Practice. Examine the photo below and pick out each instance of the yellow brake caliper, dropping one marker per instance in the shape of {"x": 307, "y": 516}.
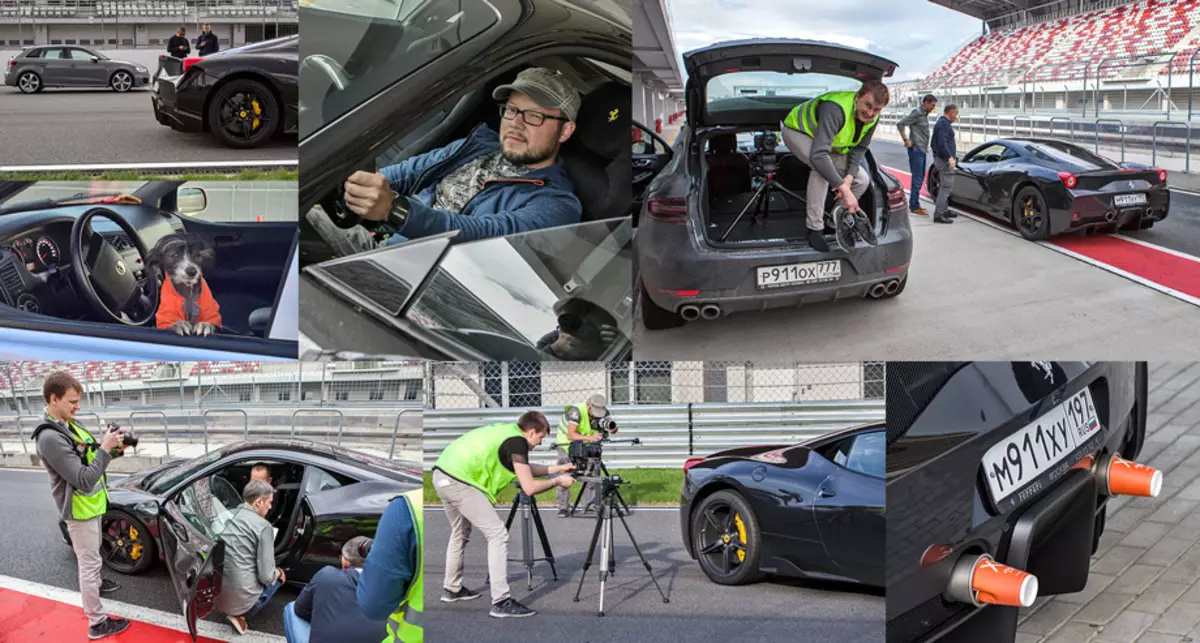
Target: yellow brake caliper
{"x": 136, "y": 552}
{"x": 741, "y": 527}
{"x": 257, "y": 112}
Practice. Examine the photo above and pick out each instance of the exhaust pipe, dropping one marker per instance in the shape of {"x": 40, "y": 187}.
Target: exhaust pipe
{"x": 1120, "y": 477}
{"x": 893, "y": 286}
{"x": 689, "y": 312}
{"x": 878, "y": 290}
{"x": 710, "y": 311}
{"x": 1149, "y": 212}
{"x": 979, "y": 580}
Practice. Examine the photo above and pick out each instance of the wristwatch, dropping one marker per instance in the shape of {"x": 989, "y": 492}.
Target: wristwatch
{"x": 399, "y": 212}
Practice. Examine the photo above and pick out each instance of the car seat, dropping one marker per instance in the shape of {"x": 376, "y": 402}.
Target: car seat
{"x": 792, "y": 173}
{"x": 598, "y": 157}
{"x": 728, "y": 169}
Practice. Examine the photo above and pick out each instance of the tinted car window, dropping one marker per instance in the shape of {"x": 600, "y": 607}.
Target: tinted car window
{"x": 375, "y": 43}
{"x": 989, "y": 150}
{"x": 53, "y": 54}
{"x": 34, "y": 53}
{"x": 79, "y": 54}
{"x": 171, "y": 477}
{"x": 208, "y": 505}
{"x": 321, "y": 480}
{"x": 867, "y": 454}
{"x": 1056, "y": 152}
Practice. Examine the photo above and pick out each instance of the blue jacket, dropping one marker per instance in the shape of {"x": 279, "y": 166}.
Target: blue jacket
{"x": 539, "y": 199}
{"x": 328, "y": 602}
{"x": 943, "y": 140}
{"x": 390, "y": 564}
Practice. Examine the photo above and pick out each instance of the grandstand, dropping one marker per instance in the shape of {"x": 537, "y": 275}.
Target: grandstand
{"x": 1072, "y": 55}
{"x": 142, "y": 23}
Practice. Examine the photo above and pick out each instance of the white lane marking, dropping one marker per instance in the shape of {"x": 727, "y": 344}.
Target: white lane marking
{"x": 219, "y": 631}
{"x": 635, "y": 509}
{"x": 1182, "y": 255}
{"x": 219, "y": 165}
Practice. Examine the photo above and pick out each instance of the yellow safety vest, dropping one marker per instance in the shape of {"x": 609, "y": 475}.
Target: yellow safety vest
{"x": 405, "y": 624}
{"x": 804, "y": 118}
{"x": 562, "y": 438}
{"x": 87, "y": 504}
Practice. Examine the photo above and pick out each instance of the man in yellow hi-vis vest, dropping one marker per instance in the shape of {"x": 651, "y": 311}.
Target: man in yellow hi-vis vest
{"x": 392, "y": 583}
{"x": 830, "y": 134}
{"x": 577, "y": 423}
{"x": 76, "y": 463}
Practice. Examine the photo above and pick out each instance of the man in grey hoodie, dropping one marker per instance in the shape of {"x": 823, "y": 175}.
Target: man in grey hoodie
{"x": 76, "y": 463}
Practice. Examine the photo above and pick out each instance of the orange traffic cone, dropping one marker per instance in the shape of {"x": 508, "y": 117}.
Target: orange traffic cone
{"x": 999, "y": 584}
{"x": 1123, "y": 477}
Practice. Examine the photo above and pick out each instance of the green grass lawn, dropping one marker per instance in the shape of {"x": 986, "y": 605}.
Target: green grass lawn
{"x": 646, "y": 487}
{"x": 249, "y": 174}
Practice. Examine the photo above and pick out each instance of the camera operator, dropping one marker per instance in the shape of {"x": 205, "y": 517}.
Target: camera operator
{"x": 76, "y": 463}
{"x": 467, "y": 476}
{"x": 584, "y": 421}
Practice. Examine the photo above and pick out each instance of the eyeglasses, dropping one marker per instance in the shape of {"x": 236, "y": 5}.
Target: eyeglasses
{"x": 535, "y": 119}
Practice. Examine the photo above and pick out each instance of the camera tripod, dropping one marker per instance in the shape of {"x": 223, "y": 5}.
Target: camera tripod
{"x": 761, "y": 199}
{"x": 591, "y": 471}
{"x": 530, "y": 520}
{"x": 605, "y": 511}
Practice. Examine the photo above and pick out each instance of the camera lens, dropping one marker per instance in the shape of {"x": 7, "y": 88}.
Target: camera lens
{"x": 130, "y": 440}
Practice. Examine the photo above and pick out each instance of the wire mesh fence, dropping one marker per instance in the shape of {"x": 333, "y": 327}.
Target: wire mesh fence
{"x": 465, "y": 385}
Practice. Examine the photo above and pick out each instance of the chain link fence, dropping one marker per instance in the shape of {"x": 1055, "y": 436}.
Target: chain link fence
{"x": 467, "y": 385}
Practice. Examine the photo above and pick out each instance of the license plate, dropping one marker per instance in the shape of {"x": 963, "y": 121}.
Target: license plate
{"x": 1129, "y": 199}
{"x": 798, "y": 273}
{"x": 1023, "y": 456}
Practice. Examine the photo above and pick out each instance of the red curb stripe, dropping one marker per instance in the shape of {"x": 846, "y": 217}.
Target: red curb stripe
{"x": 25, "y": 618}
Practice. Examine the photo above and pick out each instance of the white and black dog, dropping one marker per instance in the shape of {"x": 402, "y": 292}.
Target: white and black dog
{"x": 186, "y": 305}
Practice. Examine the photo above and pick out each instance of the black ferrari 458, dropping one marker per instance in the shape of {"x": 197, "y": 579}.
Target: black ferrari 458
{"x": 324, "y": 496}
{"x": 809, "y": 510}
{"x": 1000, "y": 465}
{"x": 243, "y": 96}
{"x": 1046, "y": 187}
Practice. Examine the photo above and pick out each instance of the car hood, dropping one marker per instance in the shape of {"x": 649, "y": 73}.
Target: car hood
{"x": 780, "y": 55}
{"x": 138, "y": 480}
{"x": 114, "y": 61}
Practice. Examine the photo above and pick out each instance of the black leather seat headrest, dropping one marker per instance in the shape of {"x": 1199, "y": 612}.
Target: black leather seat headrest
{"x": 604, "y": 123}
{"x": 723, "y": 144}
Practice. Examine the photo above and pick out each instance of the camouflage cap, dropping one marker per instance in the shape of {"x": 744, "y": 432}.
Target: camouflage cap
{"x": 547, "y": 88}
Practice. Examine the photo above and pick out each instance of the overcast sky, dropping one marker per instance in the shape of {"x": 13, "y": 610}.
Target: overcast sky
{"x": 916, "y": 34}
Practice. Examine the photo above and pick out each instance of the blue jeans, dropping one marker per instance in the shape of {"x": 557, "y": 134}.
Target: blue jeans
{"x": 916, "y": 166}
{"x": 268, "y": 593}
{"x": 295, "y": 629}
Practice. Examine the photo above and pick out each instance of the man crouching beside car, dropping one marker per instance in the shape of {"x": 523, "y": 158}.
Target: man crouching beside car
{"x": 486, "y": 185}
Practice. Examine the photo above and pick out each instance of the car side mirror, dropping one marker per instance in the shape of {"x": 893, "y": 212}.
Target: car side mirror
{"x": 191, "y": 200}
{"x": 95, "y": 59}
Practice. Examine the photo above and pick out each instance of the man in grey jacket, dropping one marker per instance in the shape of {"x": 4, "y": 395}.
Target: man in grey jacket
{"x": 251, "y": 577}
{"x": 917, "y": 142}
{"x": 76, "y": 463}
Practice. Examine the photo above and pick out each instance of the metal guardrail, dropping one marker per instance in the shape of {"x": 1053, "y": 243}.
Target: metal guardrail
{"x": 670, "y": 433}
{"x": 340, "y": 416}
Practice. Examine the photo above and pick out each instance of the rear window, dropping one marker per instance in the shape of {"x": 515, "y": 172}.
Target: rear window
{"x": 35, "y": 53}
{"x": 352, "y": 50}
{"x": 768, "y": 91}
{"x": 1062, "y": 153}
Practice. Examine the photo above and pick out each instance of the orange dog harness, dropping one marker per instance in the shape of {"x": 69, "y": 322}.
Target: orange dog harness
{"x": 172, "y": 307}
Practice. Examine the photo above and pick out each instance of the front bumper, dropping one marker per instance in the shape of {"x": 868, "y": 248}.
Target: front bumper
{"x": 670, "y": 268}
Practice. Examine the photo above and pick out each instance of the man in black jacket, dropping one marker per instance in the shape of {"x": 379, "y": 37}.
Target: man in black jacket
{"x": 178, "y": 45}
{"x": 945, "y": 161}
{"x": 207, "y": 43}
{"x": 329, "y": 602}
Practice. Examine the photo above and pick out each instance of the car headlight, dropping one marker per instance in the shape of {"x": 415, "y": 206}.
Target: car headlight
{"x": 142, "y": 69}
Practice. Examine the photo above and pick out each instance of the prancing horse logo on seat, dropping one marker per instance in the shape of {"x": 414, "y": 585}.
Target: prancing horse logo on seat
{"x": 1045, "y": 368}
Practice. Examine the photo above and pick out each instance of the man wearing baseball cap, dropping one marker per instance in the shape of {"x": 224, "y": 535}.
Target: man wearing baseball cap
{"x": 486, "y": 185}
{"x": 583, "y": 421}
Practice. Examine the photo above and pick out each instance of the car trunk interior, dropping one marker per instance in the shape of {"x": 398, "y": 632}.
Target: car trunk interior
{"x": 731, "y": 181}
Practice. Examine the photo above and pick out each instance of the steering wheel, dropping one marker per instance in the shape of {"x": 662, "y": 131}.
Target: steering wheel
{"x": 108, "y": 284}
{"x": 334, "y": 204}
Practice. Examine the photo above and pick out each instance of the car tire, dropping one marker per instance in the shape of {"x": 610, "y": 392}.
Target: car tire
{"x": 1030, "y": 195}
{"x": 29, "y": 82}
{"x": 268, "y": 105}
{"x": 655, "y": 317}
{"x": 932, "y": 181}
{"x": 716, "y": 507}
{"x": 134, "y": 560}
{"x": 121, "y": 81}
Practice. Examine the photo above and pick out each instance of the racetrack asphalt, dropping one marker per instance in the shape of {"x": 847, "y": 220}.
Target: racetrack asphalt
{"x": 31, "y": 548}
{"x": 699, "y": 610}
{"x": 99, "y": 126}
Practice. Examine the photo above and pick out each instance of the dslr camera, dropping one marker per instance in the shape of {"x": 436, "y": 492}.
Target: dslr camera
{"x": 129, "y": 439}
{"x": 581, "y": 452}
{"x": 764, "y": 152}
{"x": 605, "y": 424}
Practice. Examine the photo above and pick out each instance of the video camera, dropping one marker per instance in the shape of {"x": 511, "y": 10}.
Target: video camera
{"x": 764, "y": 152}
{"x": 586, "y": 456}
{"x": 130, "y": 439}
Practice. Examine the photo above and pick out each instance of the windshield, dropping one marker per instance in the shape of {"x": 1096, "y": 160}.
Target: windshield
{"x": 167, "y": 478}
{"x": 767, "y": 91}
{"x": 1062, "y": 153}
{"x": 354, "y": 49}
{"x": 63, "y": 189}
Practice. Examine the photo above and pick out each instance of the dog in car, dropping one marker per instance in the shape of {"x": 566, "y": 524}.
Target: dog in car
{"x": 186, "y": 304}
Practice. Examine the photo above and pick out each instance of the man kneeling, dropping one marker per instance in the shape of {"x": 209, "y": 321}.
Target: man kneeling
{"x": 251, "y": 577}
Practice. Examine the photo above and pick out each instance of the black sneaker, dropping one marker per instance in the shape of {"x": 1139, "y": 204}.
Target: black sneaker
{"x": 563, "y": 513}
{"x": 864, "y": 229}
{"x": 510, "y": 608}
{"x": 942, "y": 220}
{"x": 843, "y": 228}
{"x": 108, "y": 586}
{"x": 816, "y": 239}
{"x": 463, "y": 594}
{"x": 108, "y": 627}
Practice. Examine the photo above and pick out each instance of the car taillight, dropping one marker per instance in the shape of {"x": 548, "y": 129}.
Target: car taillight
{"x": 691, "y": 462}
{"x": 12, "y": 63}
{"x": 672, "y": 209}
{"x": 895, "y": 198}
{"x": 188, "y": 62}
{"x": 1162, "y": 176}
{"x": 1068, "y": 180}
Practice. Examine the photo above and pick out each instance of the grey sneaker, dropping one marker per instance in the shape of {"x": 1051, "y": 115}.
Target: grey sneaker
{"x": 343, "y": 241}
{"x": 108, "y": 586}
{"x": 108, "y": 627}
{"x": 864, "y": 229}
{"x": 510, "y": 608}
{"x": 843, "y": 228}
{"x": 463, "y": 594}
{"x": 563, "y": 513}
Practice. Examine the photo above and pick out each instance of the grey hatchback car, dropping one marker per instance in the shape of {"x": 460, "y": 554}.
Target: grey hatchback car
{"x": 43, "y": 66}
{"x": 700, "y": 252}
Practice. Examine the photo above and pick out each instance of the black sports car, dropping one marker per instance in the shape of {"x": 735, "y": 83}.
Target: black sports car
{"x": 813, "y": 510}
{"x": 1046, "y": 187}
{"x": 243, "y": 96}
{"x": 324, "y": 496}
{"x": 1004, "y": 459}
